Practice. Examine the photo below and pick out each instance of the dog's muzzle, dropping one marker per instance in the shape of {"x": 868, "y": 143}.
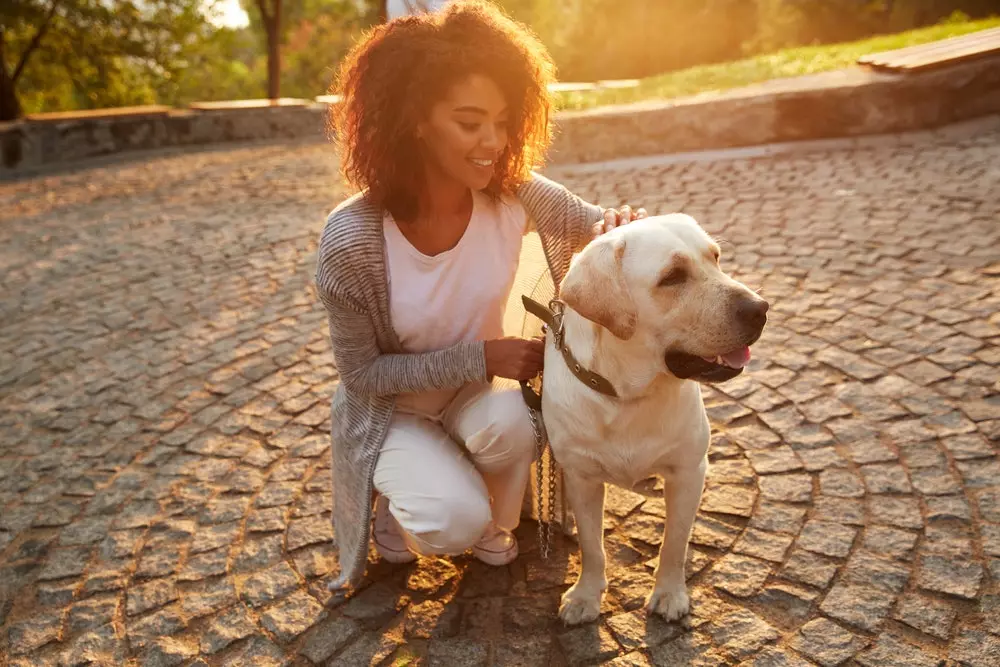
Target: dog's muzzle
{"x": 751, "y": 316}
{"x": 691, "y": 367}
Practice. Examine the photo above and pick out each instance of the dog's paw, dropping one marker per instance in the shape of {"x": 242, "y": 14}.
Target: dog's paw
{"x": 670, "y": 603}
{"x": 579, "y": 607}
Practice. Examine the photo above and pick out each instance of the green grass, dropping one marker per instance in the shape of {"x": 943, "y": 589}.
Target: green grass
{"x": 785, "y": 63}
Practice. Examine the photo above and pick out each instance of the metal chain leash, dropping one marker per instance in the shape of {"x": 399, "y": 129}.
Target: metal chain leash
{"x": 545, "y": 494}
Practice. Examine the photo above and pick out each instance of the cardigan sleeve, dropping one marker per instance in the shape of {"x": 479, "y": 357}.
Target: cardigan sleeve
{"x": 365, "y": 370}
{"x": 551, "y": 203}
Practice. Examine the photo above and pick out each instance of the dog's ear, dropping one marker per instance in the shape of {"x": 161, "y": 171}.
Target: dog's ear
{"x": 596, "y": 288}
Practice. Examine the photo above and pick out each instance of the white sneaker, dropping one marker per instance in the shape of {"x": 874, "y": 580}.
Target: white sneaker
{"x": 497, "y": 547}
{"x": 389, "y": 542}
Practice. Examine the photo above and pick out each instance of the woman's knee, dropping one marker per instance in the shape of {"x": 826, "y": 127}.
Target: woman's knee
{"x": 507, "y": 437}
{"x": 451, "y": 523}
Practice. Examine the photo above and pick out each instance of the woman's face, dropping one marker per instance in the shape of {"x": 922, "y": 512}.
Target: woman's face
{"x": 466, "y": 132}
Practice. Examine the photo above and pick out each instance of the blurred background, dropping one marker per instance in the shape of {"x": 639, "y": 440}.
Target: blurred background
{"x": 60, "y": 55}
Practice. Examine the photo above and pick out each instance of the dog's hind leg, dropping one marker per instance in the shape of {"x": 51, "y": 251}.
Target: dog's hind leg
{"x": 682, "y": 493}
{"x": 582, "y": 602}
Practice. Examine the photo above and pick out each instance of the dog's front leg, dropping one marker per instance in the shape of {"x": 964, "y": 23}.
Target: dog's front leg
{"x": 682, "y": 494}
{"x": 582, "y": 602}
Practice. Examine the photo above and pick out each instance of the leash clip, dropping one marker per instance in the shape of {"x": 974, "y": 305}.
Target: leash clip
{"x": 558, "y": 310}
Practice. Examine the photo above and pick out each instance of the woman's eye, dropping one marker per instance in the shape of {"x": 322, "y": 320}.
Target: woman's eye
{"x": 469, "y": 127}
{"x": 675, "y": 277}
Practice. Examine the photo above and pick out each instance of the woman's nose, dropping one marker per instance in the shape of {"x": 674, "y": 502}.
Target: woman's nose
{"x": 492, "y": 139}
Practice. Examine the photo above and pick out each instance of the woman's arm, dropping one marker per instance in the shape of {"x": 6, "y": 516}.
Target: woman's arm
{"x": 365, "y": 370}
{"x": 581, "y": 221}
{"x": 544, "y": 199}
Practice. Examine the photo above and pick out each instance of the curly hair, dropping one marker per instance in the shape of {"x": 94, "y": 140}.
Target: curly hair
{"x": 391, "y": 79}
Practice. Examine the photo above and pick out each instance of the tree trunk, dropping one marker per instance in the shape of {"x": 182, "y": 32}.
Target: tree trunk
{"x": 10, "y": 106}
{"x": 272, "y": 28}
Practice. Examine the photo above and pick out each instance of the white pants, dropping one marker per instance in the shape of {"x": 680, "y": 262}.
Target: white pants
{"x": 447, "y": 476}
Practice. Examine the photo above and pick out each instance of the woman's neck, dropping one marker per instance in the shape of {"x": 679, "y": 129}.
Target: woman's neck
{"x": 443, "y": 199}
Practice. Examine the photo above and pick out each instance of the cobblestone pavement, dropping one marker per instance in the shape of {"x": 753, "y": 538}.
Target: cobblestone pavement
{"x": 164, "y": 395}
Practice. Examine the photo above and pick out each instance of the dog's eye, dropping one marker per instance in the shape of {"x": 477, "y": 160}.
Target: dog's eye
{"x": 717, "y": 255}
{"x": 674, "y": 277}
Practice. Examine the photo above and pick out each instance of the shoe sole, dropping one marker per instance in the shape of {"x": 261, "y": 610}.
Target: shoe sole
{"x": 396, "y": 557}
{"x": 496, "y": 558}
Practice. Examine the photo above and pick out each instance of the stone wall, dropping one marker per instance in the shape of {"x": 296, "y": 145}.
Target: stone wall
{"x": 843, "y": 103}
{"x": 31, "y": 143}
{"x": 850, "y": 102}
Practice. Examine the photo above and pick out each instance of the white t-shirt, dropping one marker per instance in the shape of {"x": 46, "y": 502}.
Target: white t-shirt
{"x": 456, "y": 296}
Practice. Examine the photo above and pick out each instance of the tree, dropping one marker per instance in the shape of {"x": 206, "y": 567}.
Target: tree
{"x": 306, "y": 36}
{"x": 92, "y": 53}
{"x": 40, "y": 18}
{"x": 270, "y": 15}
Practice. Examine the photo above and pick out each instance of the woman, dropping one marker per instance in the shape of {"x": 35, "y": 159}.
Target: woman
{"x": 442, "y": 118}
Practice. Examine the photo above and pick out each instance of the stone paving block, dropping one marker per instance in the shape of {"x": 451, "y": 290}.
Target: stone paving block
{"x": 150, "y": 595}
{"x": 311, "y": 530}
{"x": 377, "y": 602}
{"x": 827, "y": 538}
{"x": 793, "y": 601}
{"x": 28, "y": 635}
{"x": 857, "y": 605}
{"x": 258, "y": 651}
{"x": 902, "y": 511}
{"x": 269, "y": 585}
{"x": 869, "y": 569}
{"x": 769, "y": 546}
{"x": 690, "y": 649}
{"x": 810, "y": 568}
{"x": 976, "y": 649}
{"x": 796, "y": 488}
{"x": 778, "y": 517}
{"x": 741, "y": 633}
{"x": 168, "y": 652}
{"x": 292, "y": 616}
{"x": 147, "y": 629}
{"x": 741, "y": 576}
{"x": 849, "y": 511}
{"x": 826, "y": 642}
{"x": 841, "y": 483}
{"x": 457, "y": 651}
{"x": 929, "y": 615}
{"x": 947, "y": 507}
{"x": 951, "y": 576}
{"x": 777, "y": 657}
{"x": 636, "y": 630}
{"x": 728, "y": 499}
{"x": 888, "y": 651}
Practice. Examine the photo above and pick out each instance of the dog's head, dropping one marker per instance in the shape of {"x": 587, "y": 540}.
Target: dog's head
{"x": 657, "y": 281}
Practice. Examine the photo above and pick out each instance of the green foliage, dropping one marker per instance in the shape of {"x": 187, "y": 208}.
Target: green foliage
{"x": 81, "y": 54}
{"x": 225, "y": 65}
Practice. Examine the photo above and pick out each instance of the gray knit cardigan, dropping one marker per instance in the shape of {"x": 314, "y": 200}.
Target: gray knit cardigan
{"x": 351, "y": 282}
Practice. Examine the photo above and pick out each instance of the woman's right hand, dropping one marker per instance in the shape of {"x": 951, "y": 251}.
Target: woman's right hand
{"x": 514, "y": 358}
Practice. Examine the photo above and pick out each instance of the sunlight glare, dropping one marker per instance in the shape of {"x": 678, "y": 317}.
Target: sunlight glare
{"x": 228, "y": 14}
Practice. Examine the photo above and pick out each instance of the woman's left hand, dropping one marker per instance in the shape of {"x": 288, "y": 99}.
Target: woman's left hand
{"x": 617, "y": 217}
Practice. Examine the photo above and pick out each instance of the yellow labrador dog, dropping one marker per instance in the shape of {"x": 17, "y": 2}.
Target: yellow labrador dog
{"x": 648, "y": 315}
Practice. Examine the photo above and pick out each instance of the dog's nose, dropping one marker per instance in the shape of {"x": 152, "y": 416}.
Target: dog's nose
{"x": 752, "y": 313}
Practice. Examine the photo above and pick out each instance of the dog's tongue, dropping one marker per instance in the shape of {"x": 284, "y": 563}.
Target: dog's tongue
{"x": 737, "y": 358}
